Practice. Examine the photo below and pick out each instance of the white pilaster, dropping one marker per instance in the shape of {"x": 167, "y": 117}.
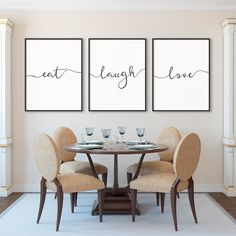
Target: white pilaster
{"x": 229, "y": 140}
{"x": 5, "y": 107}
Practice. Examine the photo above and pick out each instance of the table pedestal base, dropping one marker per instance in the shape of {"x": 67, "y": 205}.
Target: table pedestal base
{"x": 119, "y": 203}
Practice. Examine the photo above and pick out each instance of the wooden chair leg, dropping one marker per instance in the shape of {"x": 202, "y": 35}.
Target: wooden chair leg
{"x": 43, "y": 190}
{"x": 72, "y": 201}
{"x": 101, "y": 203}
{"x": 75, "y": 199}
{"x": 191, "y": 199}
{"x": 129, "y": 177}
{"x": 133, "y": 193}
{"x": 59, "y": 203}
{"x": 173, "y": 205}
{"x": 162, "y": 202}
{"x": 104, "y": 178}
{"x": 157, "y": 199}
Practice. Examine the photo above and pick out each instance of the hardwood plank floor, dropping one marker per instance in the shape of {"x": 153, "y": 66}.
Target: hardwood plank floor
{"x": 228, "y": 203}
{"x": 5, "y": 202}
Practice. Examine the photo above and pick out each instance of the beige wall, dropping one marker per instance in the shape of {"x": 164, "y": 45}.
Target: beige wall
{"x": 209, "y": 125}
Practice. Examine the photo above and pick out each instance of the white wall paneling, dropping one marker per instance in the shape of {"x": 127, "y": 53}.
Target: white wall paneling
{"x": 5, "y": 107}
{"x": 229, "y": 140}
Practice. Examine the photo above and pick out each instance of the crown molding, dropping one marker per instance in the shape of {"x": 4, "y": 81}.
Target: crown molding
{"x": 6, "y": 22}
{"x": 229, "y": 21}
{"x": 120, "y": 5}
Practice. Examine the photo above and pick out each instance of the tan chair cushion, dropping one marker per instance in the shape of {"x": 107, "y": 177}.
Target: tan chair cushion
{"x": 160, "y": 182}
{"x": 62, "y": 137}
{"x": 46, "y": 156}
{"x": 75, "y": 182}
{"x": 170, "y": 137}
{"x": 150, "y": 167}
{"x": 187, "y": 156}
{"x": 82, "y": 167}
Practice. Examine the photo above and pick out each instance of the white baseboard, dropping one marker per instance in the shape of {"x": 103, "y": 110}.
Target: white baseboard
{"x": 230, "y": 191}
{"x": 4, "y": 192}
{"x": 198, "y": 188}
{"x": 208, "y": 188}
{"x": 26, "y": 188}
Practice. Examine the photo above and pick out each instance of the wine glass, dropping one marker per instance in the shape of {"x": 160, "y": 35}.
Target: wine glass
{"x": 111, "y": 140}
{"x": 140, "y": 133}
{"x": 117, "y": 137}
{"x": 106, "y": 133}
{"x": 83, "y": 138}
{"x": 146, "y": 138}
{"x": 89, "y": 131}
{"x": 122, "y": 130}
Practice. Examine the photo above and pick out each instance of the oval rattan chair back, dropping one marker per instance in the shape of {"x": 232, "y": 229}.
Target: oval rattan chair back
{"x": 62, "y": 137}
{"x": 46, "y": 156}
{"x": 187, "y": 156}
{"x": 170, "y": 137}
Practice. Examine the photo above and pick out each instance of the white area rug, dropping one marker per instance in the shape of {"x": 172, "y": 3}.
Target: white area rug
{"x": 20, "y": 219}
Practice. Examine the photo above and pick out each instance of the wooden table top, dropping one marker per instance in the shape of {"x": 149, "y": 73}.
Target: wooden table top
{"x": 120, "y": 148}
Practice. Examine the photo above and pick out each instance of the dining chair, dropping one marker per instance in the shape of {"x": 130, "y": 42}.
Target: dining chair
{"x": 48, "y": 163}
{"x": 169, "y": 136}
{"x": 185, "y": 162}
{"x": 64, "y": 136}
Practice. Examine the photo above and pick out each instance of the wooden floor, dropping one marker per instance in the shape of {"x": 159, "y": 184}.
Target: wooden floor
{"x": 228, "y": 203}
{"x": 5, "y": 202}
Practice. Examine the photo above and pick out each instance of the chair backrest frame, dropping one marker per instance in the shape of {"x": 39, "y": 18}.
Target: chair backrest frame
{"x": 169, "y": 136}
{"x": 46, "y": 156}
{"x": 62, "y": 137}
{"x": 186, "y": 157}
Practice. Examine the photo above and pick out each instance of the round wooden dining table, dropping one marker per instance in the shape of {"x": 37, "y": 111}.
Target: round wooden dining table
{"x": 116, "y": 199}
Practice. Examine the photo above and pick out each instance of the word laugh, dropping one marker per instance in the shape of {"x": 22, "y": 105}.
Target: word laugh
{"x": 123, "y": 75}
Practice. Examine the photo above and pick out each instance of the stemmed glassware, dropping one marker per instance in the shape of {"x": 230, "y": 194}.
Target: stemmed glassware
{"x": 83, "y": 138}
{"x": 140, "y": 133}
{"x": 146, "y": 138}
{"x": 89, "y": 131}
{"x": 122, "y": 130}
{"x": 106, "y": 133}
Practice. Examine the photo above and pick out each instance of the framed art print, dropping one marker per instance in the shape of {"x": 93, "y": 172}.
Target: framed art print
{"x": 181, "y": 74}
{"x": 53, "y": 74}
{"x": 117, "y": 74}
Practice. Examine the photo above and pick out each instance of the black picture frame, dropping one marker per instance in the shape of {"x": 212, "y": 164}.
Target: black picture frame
{"x": 89, "y": 76}
{"x": 209, "y": 76}
{"x": 81, "y": 72}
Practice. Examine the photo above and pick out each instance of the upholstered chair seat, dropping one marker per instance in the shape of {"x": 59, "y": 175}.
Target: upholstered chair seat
{"x": 159, "y": 182}
{"x": 152, "y": 167}
{"x": 48, "y": 163}
{"x": 82, "y": 167}
{"x": 75, "y": 182}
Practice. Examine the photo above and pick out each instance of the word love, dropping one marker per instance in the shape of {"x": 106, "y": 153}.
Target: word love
{"x": 57, "y": 73}
{"x": 123, "y": 75}
{"x": 172, "y": 75}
